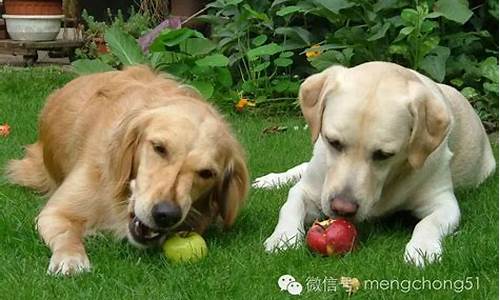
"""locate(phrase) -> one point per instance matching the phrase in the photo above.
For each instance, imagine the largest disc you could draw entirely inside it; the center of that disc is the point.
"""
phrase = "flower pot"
(3, 30)
(33, 28)
(30, 7)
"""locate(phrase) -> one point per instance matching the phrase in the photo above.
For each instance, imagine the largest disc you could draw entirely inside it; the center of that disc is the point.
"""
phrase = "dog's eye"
(159, 149)
(206, 173)
(337, 145)
(381, 155)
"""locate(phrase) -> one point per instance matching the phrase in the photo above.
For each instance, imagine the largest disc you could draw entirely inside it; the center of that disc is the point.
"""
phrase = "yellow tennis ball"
(185, 247)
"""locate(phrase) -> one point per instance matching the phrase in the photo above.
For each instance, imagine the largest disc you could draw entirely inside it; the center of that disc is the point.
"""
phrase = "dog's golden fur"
(96, 160)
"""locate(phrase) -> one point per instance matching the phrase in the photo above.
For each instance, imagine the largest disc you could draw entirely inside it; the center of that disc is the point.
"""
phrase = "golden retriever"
(130, 152)
(386, 138)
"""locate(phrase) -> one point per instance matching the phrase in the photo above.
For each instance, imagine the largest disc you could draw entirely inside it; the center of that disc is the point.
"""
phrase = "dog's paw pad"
(68, 264)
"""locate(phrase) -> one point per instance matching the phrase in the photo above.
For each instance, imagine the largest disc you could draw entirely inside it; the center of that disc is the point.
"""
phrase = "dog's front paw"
(269, 181)
(422, 252)
(282, 240)
(64, 263)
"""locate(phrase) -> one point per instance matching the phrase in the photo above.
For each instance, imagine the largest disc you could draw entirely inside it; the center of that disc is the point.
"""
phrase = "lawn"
(236, 267)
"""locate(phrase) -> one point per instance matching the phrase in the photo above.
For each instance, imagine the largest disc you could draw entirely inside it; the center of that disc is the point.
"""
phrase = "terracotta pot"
(30, 7)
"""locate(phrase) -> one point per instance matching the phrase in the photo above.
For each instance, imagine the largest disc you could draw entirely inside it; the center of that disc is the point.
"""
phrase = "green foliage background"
(263, 49)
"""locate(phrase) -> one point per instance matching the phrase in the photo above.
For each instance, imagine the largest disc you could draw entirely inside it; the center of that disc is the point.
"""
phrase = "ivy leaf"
(124, 46)
(454, 10)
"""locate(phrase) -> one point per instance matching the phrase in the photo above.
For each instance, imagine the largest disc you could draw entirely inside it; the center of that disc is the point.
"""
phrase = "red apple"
(331, 237)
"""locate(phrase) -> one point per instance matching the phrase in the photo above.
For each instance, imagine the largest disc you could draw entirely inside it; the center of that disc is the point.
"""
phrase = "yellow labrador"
(386, 138)
(133, 153)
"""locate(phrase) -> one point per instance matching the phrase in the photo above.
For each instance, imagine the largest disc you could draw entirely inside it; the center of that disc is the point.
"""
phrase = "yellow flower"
(242, 103)
(312, 52)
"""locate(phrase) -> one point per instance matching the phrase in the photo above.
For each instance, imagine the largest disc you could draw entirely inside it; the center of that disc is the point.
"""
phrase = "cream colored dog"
(386, 138)
(133, 153)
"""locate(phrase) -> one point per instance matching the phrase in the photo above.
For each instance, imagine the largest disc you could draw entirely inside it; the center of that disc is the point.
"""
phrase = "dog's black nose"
(166, 214)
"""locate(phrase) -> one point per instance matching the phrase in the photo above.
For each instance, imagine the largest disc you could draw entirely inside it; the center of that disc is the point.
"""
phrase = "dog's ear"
(312, 95)
(431, 123)
(233, 188)
(121, 153)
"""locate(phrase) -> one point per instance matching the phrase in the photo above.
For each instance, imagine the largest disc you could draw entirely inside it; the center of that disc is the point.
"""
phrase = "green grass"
(236, 267)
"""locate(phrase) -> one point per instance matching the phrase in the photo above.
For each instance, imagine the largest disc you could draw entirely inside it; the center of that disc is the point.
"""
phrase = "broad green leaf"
(269, 49)
(283, 62)
(434, 63)
(124, 46)
(259, 40)
(233, 2)
(492, 87)
(286, 85)
(276, 2)
(214, 60)
(178, 69)
(224, 77)
(88, 66)
(380, 32)
(205, 88)
(428, 26)
(173, 37)
(297, 34)
(489, 68)
(493, 8)
(410, 16)
(249, 86)
(288, 10)
(454, 10)
(335, 5)
(387, 4)
(404, 32)
(457, 82)
(326, 59)
(197, 46)
(261, 67)
(469, 92)
(286, 54)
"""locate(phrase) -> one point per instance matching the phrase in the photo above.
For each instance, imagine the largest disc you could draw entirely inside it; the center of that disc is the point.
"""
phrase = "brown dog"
(133, 153)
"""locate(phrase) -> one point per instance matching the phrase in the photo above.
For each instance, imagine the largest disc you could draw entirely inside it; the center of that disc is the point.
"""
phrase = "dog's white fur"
(437, 139)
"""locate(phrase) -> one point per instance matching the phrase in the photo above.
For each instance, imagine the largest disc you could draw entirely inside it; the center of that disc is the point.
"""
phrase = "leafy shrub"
(93, 34)
(443, 39)
(261, 50)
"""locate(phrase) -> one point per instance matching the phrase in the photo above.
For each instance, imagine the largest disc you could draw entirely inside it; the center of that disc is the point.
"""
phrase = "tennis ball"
(185, 247)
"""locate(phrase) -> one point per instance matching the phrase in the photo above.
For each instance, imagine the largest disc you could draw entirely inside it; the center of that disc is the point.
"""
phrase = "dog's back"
(473, 159)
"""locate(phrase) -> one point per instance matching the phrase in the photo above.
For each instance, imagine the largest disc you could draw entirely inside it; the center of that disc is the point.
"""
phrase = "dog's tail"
(30, 171)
